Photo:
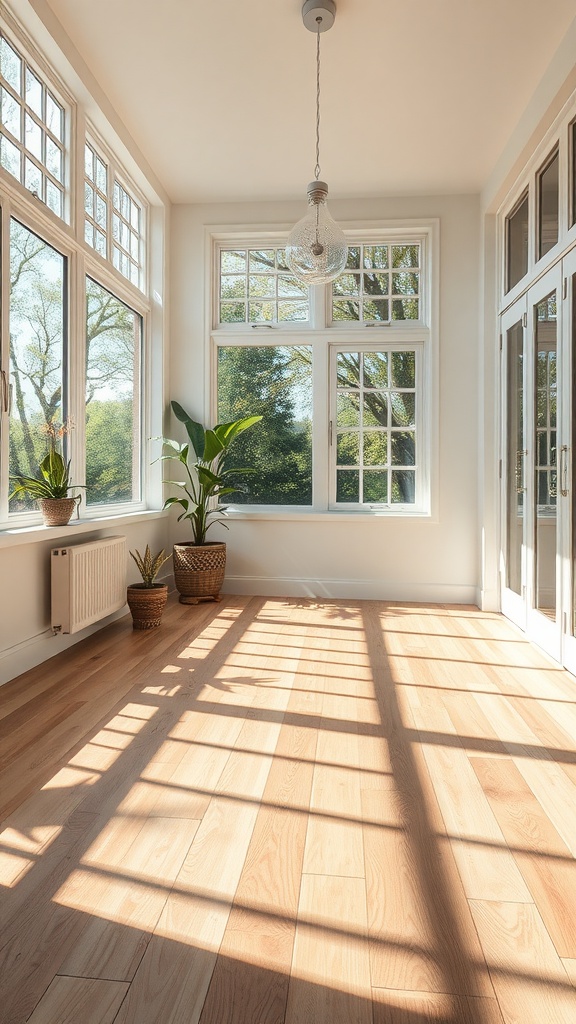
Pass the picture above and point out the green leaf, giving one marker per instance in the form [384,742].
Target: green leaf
[212,446]
[194,430]
[207,478]
[228,431]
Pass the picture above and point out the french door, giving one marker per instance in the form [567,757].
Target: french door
[538,511]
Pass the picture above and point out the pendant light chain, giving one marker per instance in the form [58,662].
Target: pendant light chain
[317,168]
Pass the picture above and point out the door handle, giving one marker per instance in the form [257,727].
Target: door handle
[564,470]
[519,469]
[5,392]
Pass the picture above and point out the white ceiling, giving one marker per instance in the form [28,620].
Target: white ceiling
[417,96]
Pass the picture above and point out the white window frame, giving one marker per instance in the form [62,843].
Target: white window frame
[67,238]
[324,336]
[116,174]
[34,59]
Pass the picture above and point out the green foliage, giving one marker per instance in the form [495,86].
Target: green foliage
[109,451]
[149,565]
[269,380]
[204,461]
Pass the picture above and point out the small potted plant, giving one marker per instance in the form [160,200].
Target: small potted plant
[199,565]
[52,485]
[146,600]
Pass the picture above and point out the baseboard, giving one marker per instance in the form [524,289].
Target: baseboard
[359,590]
[36,649]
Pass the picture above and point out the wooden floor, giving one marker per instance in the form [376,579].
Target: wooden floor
[290,812]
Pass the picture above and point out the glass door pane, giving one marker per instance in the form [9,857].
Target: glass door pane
[545,462]
[516,454]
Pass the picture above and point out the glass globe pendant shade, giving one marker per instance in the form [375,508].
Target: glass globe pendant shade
[316,251]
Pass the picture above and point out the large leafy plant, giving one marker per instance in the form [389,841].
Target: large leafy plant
[207,480]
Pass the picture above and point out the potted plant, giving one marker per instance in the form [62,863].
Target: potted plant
[52,484]
[146,600]
[199,565]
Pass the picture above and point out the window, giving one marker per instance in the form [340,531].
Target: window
[517,243]
[32,129]
[72,354]
[380,282]
[113,420]
[346,420]
[375,423]
[37,341]
[275,382]
[256,287]
[113,219]
[548,206]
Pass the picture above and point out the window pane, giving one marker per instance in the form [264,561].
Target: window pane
[379,398]
[348,486]
[573,174]
[10,113]
[274,382]
[37,319]
[348,453]
[54,117]
[375,486]
[10,66]
[403,487]
[113,352]
[10,157]
[517,244]
[34,93]
[376,448]
[548,195]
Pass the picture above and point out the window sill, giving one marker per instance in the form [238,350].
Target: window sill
[325,515]
[39,533]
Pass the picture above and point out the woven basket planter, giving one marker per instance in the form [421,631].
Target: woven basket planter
[199,571]
[147,604]
[57,511]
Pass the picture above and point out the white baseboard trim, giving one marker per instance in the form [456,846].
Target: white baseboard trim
[357,590]
[33,652]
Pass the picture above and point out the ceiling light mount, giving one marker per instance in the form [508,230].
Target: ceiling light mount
[325,10]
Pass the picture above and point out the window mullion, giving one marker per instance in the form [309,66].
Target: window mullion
[77,367]
[322,407]
[4,358]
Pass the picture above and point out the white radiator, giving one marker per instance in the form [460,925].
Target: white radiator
[88,583]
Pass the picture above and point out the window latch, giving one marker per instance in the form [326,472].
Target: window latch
[267,327]
[5,392]
[378,323]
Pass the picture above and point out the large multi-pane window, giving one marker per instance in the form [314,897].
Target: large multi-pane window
[343,420]
[113,218]
[72,343]
[31,129]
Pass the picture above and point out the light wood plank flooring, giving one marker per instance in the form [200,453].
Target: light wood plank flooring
[290,812]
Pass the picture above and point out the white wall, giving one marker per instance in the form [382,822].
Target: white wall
[25,635]
[367,557]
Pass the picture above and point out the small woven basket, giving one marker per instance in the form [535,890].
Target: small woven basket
[199,571]
[57,511]
[147,604]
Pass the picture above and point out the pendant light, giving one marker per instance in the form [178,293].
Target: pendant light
[316,251]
